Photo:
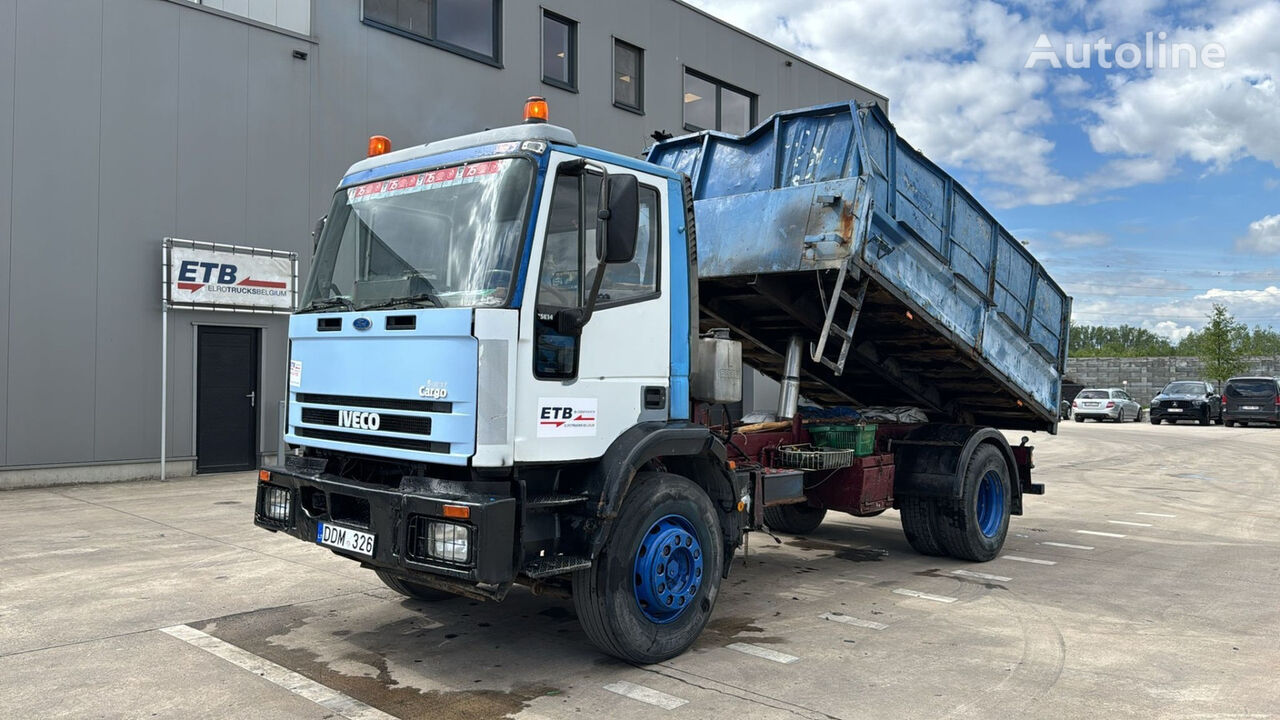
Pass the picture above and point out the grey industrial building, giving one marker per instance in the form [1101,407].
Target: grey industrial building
[123,122]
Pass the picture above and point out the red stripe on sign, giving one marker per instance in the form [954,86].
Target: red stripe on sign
[190,286]
[250,282]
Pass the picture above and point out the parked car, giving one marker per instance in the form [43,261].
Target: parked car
[1105,404]
[1251,400]
[1187,400]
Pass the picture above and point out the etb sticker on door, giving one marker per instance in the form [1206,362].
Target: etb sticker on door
[566,417]
[295,373]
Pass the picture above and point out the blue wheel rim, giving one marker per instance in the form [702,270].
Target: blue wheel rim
[990,504]
[668,569]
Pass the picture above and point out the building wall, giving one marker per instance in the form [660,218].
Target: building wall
[126,121]
[1147,376]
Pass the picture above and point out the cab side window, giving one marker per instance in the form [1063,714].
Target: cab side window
[569,263]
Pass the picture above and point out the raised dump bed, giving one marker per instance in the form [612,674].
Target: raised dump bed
[821,221]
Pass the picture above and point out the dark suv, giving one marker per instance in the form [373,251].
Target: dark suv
[1251,399]
[1186,400]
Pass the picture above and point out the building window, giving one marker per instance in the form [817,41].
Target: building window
[472,28]
[628,76]
[559,51]
[710,104]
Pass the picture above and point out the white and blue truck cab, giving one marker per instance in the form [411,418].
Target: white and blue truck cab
[502,370]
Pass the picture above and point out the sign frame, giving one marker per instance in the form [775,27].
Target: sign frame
[167,297]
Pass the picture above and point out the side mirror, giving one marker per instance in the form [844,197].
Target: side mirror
[619,219]
[316,230]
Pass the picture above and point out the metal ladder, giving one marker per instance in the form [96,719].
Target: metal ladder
[849,292]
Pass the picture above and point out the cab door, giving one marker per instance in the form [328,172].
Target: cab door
[577,391]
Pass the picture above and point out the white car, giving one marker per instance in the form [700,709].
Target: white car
[1105,404]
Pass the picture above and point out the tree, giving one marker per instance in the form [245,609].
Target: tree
[1122,341]
[1221,345]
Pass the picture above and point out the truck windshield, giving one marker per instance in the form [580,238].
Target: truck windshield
[450,237]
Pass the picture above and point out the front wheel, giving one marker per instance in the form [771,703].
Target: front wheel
[974,527]
[1155,420]
[1204,418]
[652,587]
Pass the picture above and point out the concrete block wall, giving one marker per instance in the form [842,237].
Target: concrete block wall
[1146,376]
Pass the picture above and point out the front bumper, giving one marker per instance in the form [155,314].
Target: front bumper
[398,518]
[1186,413]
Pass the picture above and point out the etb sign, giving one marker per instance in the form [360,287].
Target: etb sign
[229,277]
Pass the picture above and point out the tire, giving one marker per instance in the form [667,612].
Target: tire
[1155,420]
[1079,419]
[1138,419]
[1204,418]
[797,519]
[1229,423]
[664,511]
[412,589]
[974,527]
[1120,416]
[920,524]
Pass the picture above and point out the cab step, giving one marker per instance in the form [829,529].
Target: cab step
[558,565]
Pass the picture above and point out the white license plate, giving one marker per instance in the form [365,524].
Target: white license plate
[1089,404]
[1175,409]
[1250,407]
[345,538]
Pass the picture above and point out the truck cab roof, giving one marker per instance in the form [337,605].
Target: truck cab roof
[513,134]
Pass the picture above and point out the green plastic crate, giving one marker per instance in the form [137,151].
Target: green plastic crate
[861,439]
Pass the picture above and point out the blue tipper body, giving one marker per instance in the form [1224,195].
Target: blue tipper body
[834,185]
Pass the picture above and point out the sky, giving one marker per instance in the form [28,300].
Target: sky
[1150,192]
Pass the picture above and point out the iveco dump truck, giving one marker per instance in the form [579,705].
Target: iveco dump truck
[516,361]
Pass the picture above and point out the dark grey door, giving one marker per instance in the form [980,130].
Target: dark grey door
[226,399]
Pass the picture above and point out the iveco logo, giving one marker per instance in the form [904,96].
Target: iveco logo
[361,323]
[359,420]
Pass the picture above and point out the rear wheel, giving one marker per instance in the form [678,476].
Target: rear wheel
[651,589]
[411,589]
[797,519]
[920,524]
[974,527]
[1120,415]
[1079,419]
[1229,423]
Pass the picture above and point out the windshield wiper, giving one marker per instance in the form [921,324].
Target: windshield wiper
[329,302]
[426,300]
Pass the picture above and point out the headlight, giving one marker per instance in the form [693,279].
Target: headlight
[449,542]
[274,502]
[1197,402]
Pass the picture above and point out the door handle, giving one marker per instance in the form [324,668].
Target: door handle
[253,396]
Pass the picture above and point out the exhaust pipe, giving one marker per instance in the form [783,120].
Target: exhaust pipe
[789,399]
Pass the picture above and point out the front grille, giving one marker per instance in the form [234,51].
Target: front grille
[379,440]
[432,406]
[387,423]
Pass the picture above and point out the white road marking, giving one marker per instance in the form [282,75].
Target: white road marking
[1033,561]
[1068,545]
[1101,534]
[760,652]
[1165,515]
[1126,522]
[645,695]
[850,620]
[980,576]
[924,596]
[328,698]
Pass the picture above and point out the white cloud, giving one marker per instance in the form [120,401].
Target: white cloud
[1173,331]
[1263,236]
[1085,239]
[1209,116]
[1248,300]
